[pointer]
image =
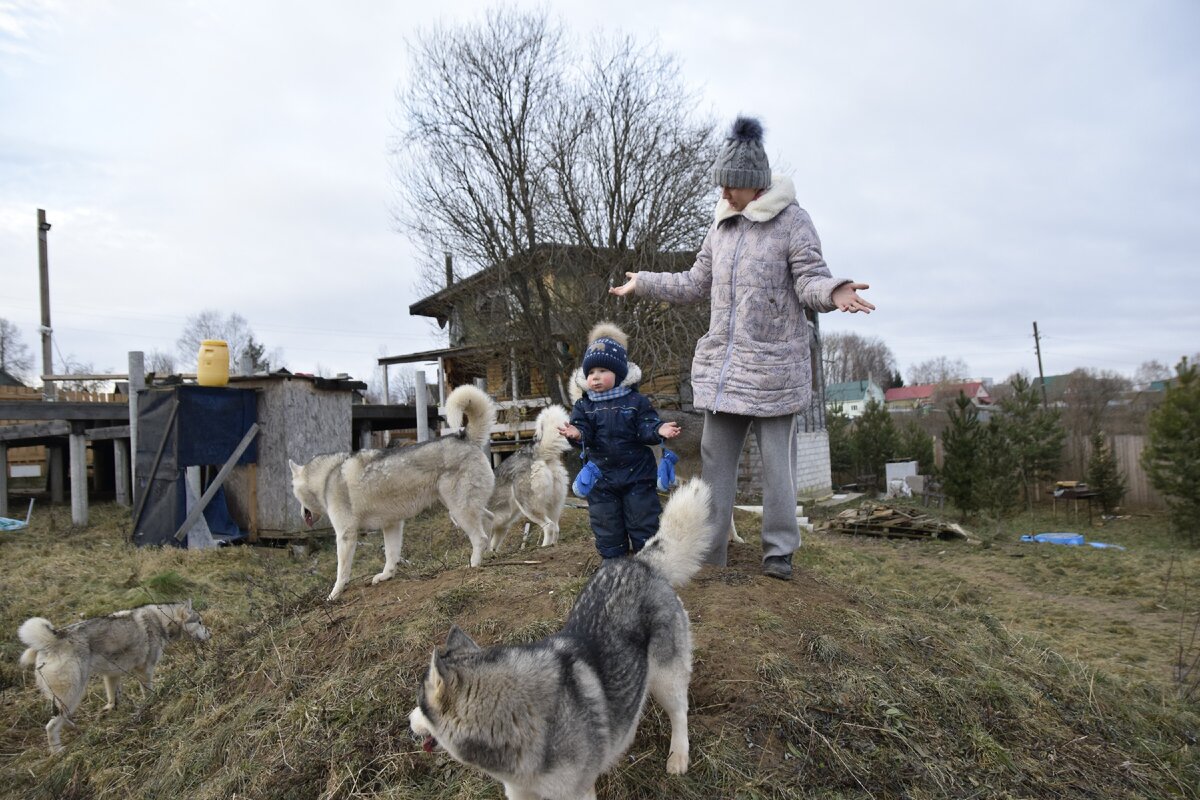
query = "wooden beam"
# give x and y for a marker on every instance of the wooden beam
(36, 430)
(38, 410)
(111, 432)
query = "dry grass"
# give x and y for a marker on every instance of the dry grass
(887, 669)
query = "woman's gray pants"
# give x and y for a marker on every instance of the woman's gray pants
(720, 450)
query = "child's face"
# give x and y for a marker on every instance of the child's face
(600, 379)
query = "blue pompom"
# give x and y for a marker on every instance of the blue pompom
(746, 129)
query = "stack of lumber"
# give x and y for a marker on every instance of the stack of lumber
(881, 519)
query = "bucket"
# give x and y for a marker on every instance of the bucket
(212, 367)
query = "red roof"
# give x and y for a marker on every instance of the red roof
(926, 391)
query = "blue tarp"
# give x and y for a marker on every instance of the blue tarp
(1071, 539)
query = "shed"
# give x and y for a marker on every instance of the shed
(301, 416)
(182, 427)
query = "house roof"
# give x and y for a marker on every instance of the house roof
(849, 392)
(928, 390)
(542, 256)
(7, 379)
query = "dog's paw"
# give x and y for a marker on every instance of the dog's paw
(335, 594)
(383, 576)
(108, 707)
(677, 763)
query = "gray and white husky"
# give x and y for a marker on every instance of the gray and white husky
(380, 489)
(124, 643)
(548, 718)
(533, 483)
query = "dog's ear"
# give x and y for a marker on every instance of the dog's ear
(295, 468)
(438, 679)
(457, 641)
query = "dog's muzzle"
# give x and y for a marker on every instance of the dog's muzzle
(308, 518)
(429, 744)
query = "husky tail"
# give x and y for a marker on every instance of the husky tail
(468, 401)
(38, 635)
(684, 534)
(550, 443)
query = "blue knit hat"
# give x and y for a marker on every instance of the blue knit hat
(606, 348)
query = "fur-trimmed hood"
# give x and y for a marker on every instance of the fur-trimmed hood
(577, 387)
(780, 195)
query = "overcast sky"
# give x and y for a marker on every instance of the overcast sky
(982, 165)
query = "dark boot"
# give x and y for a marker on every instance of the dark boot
(778, 567)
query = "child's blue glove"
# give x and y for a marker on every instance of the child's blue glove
(666, 470)
(586, 479)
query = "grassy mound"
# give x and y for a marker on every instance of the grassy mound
(886, 669)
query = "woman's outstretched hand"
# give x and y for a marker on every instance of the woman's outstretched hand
(626, 288)
(846, 298)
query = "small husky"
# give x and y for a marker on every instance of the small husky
(124, 643)
(547, 719)
(533, 483)
(380, 489)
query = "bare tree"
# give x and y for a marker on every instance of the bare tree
(938, 370)
(1150, 371)
(850, 357)
(552, 175)
(1088, 397)
(15, 356)
(160, 362)
(401, 389)
(233, 329)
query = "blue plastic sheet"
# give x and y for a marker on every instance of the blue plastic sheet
(1069, 539)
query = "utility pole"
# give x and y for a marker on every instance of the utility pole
(48, 390)
(1037, 344)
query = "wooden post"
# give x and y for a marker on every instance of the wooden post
(3, 479)
(48, 387)
(422, 399)
(387, 391)
(54, 473)
(79, 485)
(364, 437)
(137, 382)
(121, 470)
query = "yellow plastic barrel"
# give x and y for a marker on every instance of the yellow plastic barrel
(212, 368)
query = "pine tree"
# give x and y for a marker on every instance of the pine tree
(1035, 434)
(915, 444)
(998, 482)
(874, 440)
(841, 445)
(962, 444)
(1104, 476)
(1172, 457)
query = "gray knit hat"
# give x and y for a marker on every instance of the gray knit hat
(742, 163)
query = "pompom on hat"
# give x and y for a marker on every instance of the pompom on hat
(606, 348)
(742, 162)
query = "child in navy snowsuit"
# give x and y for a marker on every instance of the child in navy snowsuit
(615, 426)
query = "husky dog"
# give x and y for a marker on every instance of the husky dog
(533, 483)
(548, 718)
(125, 643)
(380, 489)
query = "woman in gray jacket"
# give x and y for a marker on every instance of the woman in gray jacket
(761, 266)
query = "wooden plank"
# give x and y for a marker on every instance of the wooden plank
(111, 432)
(11, 433)
(100, 412)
